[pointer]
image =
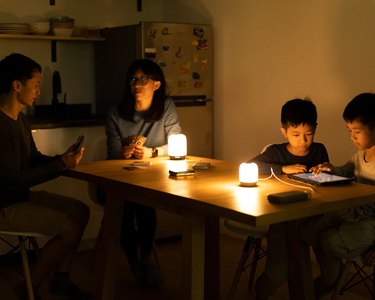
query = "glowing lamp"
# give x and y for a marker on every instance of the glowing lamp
(177, 146)
(248, 174)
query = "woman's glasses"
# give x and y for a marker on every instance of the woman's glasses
(142, 80)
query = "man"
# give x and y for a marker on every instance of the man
(23, 166)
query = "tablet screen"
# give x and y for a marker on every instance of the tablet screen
(321, 179)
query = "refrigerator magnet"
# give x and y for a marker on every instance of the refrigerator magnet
(165, 47)
(198, 31)
(165, 31)
(150, 52)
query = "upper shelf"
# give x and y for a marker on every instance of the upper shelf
(50, 37)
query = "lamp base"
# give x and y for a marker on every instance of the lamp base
(177, 157)
(248, 184)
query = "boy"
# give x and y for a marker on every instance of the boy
(299, 154)
(23, 166)
(348, 233)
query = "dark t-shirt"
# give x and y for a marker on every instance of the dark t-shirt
(22, 165)
(277, 155)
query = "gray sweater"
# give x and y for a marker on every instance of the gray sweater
(117, 129)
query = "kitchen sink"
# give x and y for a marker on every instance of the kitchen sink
(63, 112)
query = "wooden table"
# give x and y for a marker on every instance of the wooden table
(202, 199)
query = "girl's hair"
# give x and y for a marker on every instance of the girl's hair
(152, 70)
(16, 67)
(298, 112)
(361, 108)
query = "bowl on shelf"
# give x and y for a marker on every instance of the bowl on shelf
(40, 27)
(62, 31)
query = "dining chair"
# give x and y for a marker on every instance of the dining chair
(21, 247)
(253, 245)
(364, 273)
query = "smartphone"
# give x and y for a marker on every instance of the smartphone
(181, 173)
(79, 143)
(201, 165)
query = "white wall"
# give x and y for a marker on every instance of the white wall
(266, 52)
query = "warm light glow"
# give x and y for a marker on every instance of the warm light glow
(177, 165)
(248, 174)
(177, 146)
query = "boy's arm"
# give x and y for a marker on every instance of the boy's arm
(265, 161)
(346, 170)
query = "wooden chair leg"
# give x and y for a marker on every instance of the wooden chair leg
(35, 245)
(156, 257)
(26, 268)
(342, 280)
(254, 263)
(244, 257)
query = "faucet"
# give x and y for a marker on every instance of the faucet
(56, 89)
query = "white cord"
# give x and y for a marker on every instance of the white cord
(291, 184)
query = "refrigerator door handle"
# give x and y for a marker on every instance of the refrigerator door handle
(190, 100)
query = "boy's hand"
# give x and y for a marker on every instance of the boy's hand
(325, 167)
(297, 168)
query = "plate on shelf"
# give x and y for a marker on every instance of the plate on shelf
(15, 28)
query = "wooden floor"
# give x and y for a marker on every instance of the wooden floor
(169, 253)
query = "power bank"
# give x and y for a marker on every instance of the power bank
(287, 197)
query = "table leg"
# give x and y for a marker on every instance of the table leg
(108, 248)
(300, 274)
(193, 256)
(212, 260)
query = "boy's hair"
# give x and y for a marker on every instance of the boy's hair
(298, 112)
(362, 109)
(16, 67)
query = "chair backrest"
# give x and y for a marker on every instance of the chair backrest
(265, 148)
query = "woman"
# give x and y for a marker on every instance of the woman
(145, 112)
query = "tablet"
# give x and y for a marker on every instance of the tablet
(323, 179)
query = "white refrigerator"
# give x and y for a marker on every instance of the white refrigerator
(185, 54)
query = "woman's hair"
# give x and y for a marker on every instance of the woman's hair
(362, 109)
(156, 110)
(16, 67)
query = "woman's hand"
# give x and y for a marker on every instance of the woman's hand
(127, 151)
(142, 151)
(296, 168)
(327, 167)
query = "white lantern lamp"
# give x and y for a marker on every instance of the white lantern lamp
(248, 174)
(177, 145)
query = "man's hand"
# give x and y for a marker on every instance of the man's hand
(72, 158)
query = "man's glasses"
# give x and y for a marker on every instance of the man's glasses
(143, 80)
